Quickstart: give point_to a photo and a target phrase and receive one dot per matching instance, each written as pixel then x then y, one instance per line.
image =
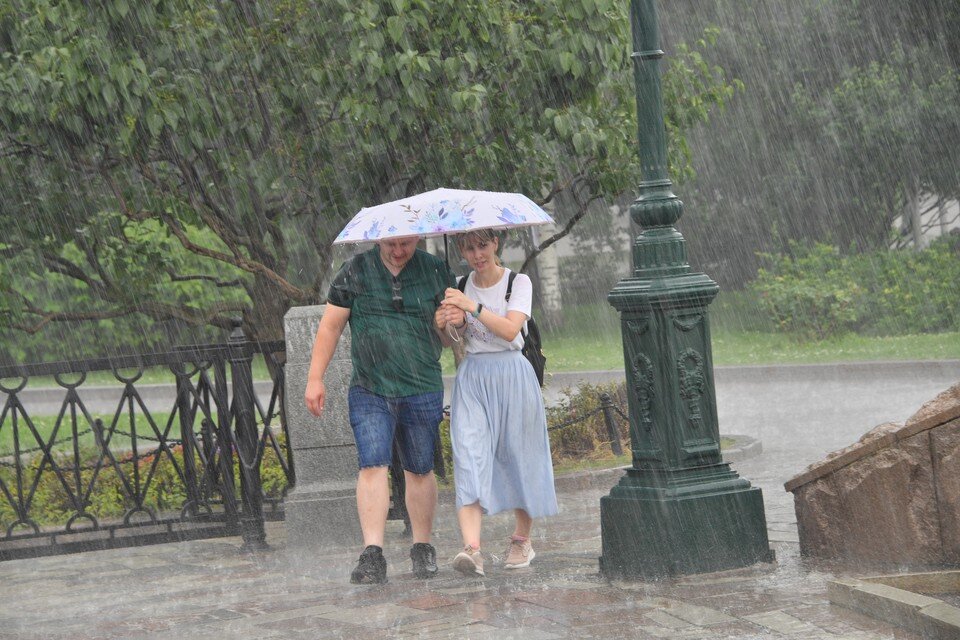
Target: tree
pixel 194 160
pixel 848 106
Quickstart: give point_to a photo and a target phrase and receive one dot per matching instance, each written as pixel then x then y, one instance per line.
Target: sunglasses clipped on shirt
pixel 396 295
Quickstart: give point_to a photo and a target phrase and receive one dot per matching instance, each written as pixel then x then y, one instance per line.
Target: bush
pixel 912 291
pixel 585 436
pixel 817 293
pixel 585 439
pixel 108 500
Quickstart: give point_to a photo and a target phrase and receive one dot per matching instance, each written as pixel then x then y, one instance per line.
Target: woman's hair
pixel 479 235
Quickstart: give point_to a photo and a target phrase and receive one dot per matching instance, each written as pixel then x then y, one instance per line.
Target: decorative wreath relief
pixel 688 323
pixel 638 327
pixel 643 388
pixel 692 381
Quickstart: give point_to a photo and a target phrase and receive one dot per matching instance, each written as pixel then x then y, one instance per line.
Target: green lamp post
pixel 679 509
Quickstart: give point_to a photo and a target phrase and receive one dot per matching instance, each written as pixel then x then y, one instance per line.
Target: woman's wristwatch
pixel 476 314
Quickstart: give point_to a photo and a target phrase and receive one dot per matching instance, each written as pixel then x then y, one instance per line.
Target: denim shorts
pixel 414 420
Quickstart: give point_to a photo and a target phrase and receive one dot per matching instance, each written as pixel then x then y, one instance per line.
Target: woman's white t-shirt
pixel 479 338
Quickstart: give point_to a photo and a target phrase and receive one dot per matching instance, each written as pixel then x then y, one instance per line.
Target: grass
pixel 87 442
pixel 605 352
pixel 590 341
pixel 765 348
pixel 150 375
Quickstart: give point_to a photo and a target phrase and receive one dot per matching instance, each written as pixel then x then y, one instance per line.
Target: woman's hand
pixel 451 316
pixel 456 298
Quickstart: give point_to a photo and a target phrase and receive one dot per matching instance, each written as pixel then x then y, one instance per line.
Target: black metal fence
pixel 75 477
pixel 132 474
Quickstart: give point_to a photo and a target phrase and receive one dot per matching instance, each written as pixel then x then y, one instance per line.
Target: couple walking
pixel 403 305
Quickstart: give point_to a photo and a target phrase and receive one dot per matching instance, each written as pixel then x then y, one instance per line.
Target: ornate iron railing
pixel 187 466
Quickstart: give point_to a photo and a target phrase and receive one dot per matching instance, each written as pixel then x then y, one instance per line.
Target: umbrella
pixel 440 212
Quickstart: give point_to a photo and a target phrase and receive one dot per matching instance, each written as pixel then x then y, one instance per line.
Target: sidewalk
pixel 208 589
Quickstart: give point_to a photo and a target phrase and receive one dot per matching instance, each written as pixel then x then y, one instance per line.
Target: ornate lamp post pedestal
pixel 680 509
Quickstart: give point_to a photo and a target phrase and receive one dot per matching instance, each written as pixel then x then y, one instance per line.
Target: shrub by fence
pixel 816 292
pixel 590 422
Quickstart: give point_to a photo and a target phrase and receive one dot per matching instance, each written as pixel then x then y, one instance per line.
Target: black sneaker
pixel 424 558
pixel 371 568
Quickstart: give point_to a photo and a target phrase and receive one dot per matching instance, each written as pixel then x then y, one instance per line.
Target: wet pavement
pixel 211 589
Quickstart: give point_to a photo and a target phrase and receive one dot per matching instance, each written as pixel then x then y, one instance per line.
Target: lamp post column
pixel 679 509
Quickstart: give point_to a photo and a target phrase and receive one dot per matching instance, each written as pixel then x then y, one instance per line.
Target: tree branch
pixel 58 264
pixel 211 314
pixel 237 260
pixel 571 223
pixel 236 282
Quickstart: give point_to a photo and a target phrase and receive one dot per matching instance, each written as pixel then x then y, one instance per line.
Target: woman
pixel 501 452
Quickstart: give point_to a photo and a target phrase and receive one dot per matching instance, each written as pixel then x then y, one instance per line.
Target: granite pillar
pixel 322 507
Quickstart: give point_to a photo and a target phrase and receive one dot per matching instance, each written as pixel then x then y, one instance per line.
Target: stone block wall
pixel 892 498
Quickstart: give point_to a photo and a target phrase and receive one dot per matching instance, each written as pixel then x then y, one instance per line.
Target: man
pixel 389 296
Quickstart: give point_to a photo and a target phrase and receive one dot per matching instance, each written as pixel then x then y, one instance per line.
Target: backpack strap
pixel 462 285
pixel 510 279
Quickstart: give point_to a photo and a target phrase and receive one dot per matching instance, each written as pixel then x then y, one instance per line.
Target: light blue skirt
pixel 498 428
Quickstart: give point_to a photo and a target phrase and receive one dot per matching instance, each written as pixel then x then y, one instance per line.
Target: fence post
pixel 245 428
pixel 186 437
pixel 606 403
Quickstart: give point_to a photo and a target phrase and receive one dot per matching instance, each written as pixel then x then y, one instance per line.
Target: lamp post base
pixel 661 524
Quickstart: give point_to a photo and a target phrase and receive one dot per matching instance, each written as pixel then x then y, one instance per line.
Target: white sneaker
pixel 519 554
pixel 469 562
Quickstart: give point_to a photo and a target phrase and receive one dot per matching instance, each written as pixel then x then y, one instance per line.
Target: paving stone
pixel 430 601
pixel 562 598
pixel 664 619
pixel 689 632
pixel 783 622
pixel 693 614
pixel 379 616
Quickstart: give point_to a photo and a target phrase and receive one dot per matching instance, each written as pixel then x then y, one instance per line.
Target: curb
pixel 880 369
pixel 744 447
pixel 910 609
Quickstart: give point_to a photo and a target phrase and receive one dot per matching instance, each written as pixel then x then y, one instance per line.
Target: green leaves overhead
pixel 261 127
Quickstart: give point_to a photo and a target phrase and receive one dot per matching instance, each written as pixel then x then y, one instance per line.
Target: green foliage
pixel 817 292
pixel 584 438
pixel 810 293
pixel 885 123
pixel 911 291
pixel 850 108
pixel 446 449
pixel 585 435
pixel 692 90
pixel 192 161
pixel 109 500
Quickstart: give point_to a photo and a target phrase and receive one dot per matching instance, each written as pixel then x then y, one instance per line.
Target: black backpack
pixel 532 350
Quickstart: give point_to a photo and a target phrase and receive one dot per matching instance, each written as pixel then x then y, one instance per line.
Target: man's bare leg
pixel 421 500
pixel 373 503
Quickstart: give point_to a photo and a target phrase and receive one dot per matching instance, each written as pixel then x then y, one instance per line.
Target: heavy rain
pixel 748 301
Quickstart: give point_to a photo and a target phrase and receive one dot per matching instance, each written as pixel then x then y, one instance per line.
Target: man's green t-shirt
pixel 395 350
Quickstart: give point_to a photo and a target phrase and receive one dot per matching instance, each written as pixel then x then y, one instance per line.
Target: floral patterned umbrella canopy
pixel 441 212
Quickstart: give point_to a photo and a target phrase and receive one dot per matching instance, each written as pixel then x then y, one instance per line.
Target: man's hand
pixel 315 394
pixel 440 318
pixel 449 315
